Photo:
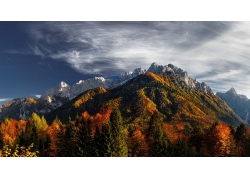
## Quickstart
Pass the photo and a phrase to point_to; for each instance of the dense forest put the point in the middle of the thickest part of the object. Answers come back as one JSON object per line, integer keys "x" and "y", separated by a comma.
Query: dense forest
{"x": 106, "y": 135}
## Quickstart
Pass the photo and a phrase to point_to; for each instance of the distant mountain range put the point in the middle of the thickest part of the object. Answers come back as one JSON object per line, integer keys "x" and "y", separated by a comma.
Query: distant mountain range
{"x": 239, "y": 103}
{"x": 166, "y": 89}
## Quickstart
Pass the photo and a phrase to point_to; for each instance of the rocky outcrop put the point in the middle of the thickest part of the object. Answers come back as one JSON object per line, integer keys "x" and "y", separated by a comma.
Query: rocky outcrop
{"x": 171, "y": 69}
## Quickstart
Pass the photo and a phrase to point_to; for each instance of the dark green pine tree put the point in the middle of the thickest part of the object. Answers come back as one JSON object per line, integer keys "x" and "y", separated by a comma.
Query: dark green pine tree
{"x": 241, "y": 138}
{"x": 159, "y": 147}
{"x": 182, "y": 149}
{"x": 84, "y": 138}
{"x": 98, "y": 143}
{"x": 34, "y": 139}
{"x": 241, "y": 133}
{"x": 62, "y": 144}
{"x": 71, "y": 139}
{"x": 196, "y": 139}
{"x": 22, "y": 139}
{"x": 107, "y": 141}
{"x": 119, "y": 147}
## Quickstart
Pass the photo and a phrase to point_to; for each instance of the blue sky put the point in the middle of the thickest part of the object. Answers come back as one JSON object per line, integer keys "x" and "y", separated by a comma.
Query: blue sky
{"x": 35, "y": 56}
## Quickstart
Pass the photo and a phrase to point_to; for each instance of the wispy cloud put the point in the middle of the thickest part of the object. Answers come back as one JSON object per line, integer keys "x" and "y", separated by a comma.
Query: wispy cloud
{"x": 5, "y": 99}
{"x": 214, "y": 52}
{"x": 37, "y": 51}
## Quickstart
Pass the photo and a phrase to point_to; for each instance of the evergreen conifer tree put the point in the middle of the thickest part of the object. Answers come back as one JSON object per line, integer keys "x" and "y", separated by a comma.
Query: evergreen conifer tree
{"x": 157, "y": 139}
{"x": 106, "y": 141}
{"x": 119, "y": 147}
{"x": 84, "y": 138}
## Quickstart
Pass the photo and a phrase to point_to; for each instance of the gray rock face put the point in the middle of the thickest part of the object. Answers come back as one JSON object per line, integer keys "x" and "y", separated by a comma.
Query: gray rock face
{"x": 193, "y": 84}
{"x": 240, "y": 104}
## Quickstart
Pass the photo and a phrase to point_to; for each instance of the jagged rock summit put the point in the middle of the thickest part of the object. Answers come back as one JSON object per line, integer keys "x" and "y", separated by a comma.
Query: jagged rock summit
{"x": 171, "y": 69}
{"x": 238, "y": 102}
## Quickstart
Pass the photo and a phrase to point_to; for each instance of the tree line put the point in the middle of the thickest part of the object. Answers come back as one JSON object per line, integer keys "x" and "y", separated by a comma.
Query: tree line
{"x": 81, "y": 137}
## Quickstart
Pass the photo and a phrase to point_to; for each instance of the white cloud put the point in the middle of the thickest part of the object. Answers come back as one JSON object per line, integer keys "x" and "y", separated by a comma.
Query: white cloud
{"x": 214, "y": 52}
{"x": 5, "y": 99}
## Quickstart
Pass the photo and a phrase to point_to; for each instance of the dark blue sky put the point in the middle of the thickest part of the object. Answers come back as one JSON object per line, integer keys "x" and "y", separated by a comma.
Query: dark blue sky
{"x": 36, "y": 56}
{"x": 22, "y": 72}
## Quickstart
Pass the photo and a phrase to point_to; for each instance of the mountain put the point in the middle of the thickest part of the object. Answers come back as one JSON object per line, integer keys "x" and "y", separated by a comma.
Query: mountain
{"x": 239, "y": 103}
{"x": 63, "y": 93}
{"x": 167, "y": 94}
{"x": 22, "y": 108}
{"x": 66, "y": 91}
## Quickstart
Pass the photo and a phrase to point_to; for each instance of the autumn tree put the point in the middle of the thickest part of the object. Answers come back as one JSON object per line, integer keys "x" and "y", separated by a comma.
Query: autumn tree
{"x": 217, "y": 141}
{"x": 54, "y": 136}
{"x": 36, "y": 132}
{"x": 138, "y": 145}
{"x": 9, "y": 129}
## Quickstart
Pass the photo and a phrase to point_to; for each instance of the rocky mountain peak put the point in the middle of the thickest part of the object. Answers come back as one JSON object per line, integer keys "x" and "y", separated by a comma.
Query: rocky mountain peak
{"x": 239, "y": 103}
{"x": 63, "y": 84}
{"x": 170, "y": 69}
{"x": 232, "y": 91}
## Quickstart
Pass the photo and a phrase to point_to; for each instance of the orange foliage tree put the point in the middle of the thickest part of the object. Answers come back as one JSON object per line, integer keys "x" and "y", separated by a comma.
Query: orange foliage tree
{"x": 137, "y": 144}
{"x": 10, "y": 129}
{"x": 217, "y": 141}
{"x": 54, "y": 134}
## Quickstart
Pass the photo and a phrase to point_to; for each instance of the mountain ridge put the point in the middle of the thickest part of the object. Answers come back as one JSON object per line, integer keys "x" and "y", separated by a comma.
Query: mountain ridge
{"x": 84, "y": 85}
{"x": 63, "y": 93}
{"x": 145, "y": 94}
{"x": 238, "y": 102}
